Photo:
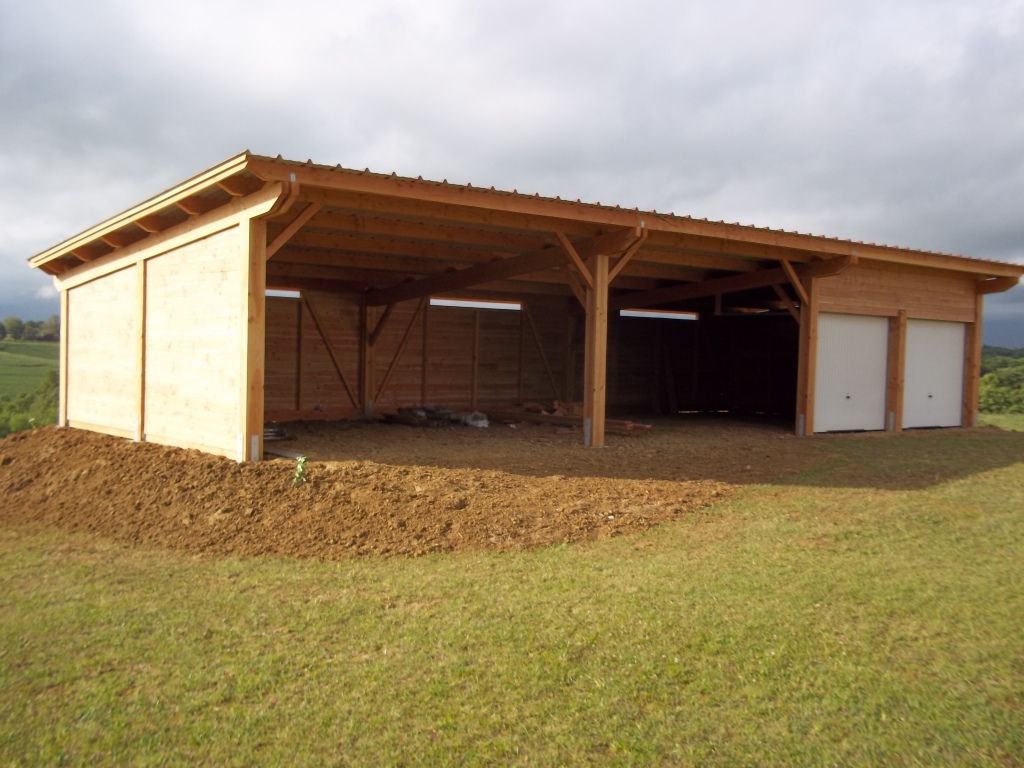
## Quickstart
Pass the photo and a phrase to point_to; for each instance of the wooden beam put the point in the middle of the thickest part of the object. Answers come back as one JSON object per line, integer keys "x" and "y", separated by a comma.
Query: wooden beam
{"x": 401, "y": 348}
{"x": 595, "y": 361}
{"x": 121, "y": 238}
{"x": 62, "y": 394}
{"x": 545, "y": 258}
{"x": 570, "y": 249}
{"x": 787, "y": 302}
{"x": 424, "y": 356}
{"x": 548, "y": 214}
{"x": 299, "y": 312}
{"x": 294, "y": 226}
{"x": 628, "y": 254}
{"x": 237, "y": 186}
{"x": 366, "y": 362}
{"x": 794, "y": 280}
{"x": 972, "y": 366}
{"x": 378, "y": 329}
{"x": 807, "y": 362}
{"x": 335, "y": 361}
{"x": 253, "y": 336}
{"x": 744, "y": 282}
{"x": 895, "y": 373}
{"x": 195, "y": 206}
{"x": 474, "y": 379}
{"x": 154, "y": 223}
{"x": 140, "y": 351}
{"x": 995, "y": 285}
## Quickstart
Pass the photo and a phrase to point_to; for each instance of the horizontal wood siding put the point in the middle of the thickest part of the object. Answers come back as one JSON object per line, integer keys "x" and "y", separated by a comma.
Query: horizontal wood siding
{"x": 194, "y": 318}
{"x": 102, "y": 366}
{"x": 874, "y": 288}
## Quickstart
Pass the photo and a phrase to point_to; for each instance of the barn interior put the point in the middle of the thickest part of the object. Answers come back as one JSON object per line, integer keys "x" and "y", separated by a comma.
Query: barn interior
{"x": 379, "y": 303}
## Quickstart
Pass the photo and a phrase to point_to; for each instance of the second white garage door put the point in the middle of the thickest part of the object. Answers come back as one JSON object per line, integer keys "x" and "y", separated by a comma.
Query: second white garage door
{"x": 933, "y": 384}
{"x": 850, "y": 372}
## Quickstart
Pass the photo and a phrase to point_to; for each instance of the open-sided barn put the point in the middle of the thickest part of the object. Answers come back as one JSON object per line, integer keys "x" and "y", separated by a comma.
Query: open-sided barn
{"x": 169, "y": 334}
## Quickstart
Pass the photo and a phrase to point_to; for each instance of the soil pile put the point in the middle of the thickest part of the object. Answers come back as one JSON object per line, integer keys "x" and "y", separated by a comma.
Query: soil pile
{"x": 420, "y": 495}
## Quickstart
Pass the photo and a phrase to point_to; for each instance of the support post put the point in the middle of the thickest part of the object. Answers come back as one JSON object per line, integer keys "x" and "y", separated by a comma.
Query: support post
{"x": 972, "y": 366}
{"x": 254, "y": 340}
{"x": 475, "y": 374}
{"x": 595, "y": 366}
{"x": 140, "y": 352}
{"x": 895, "y": 374}
{"x": 299, "y": 311}
{"x": 424, "y": 354}
{"x": 807, "y": 363}
{"x": 62, "y": 407}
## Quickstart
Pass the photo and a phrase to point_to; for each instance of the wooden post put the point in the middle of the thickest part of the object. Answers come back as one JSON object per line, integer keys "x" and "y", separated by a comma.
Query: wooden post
{"x": 253, "y": 339}
{"x": 595, "y": 367}
{"x": 424, "y": 356}
{"x": 522, "y": 356}
{"x": 569, "y": 359}
{"x": 299, "y": 311}
{"x": 972, "y": 366}
{"x": 895, "y": 376}
{"x": 140, "y": 352}
{"x": 807, "y": 362}
{"x": 62, "y": 407}
{"x": 475, "y": 374}
{"x": 366, "y": 362}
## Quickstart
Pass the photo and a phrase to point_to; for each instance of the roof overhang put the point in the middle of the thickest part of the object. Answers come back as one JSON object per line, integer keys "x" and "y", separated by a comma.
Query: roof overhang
{"x": 350, "y": 230}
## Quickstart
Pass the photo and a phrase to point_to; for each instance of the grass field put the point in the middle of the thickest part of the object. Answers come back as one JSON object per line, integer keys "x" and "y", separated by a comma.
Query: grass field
{"x": 1013, "y": 422}
{"x": 24, "y": 363}
{"x": 865, "y": 612}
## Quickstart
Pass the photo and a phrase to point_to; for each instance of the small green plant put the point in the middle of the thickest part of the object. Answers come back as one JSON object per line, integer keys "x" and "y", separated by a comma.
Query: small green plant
{"x": 300, "y": 471}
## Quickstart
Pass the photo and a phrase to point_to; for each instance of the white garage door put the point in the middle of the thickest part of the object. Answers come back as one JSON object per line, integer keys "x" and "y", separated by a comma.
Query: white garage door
{"x": 933, "y": 385}
{"x": 850, "y": 372}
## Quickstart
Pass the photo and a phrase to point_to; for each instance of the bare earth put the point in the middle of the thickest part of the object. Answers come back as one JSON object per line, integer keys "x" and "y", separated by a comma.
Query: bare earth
{"x": 387, "y": 489}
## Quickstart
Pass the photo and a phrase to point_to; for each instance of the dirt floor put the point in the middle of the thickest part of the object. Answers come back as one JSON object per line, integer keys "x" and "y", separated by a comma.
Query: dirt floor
{"x": 387, "y": 489}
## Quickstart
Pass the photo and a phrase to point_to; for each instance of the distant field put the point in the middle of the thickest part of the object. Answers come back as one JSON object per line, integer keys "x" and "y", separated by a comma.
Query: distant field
{"x": 24, "y": 363}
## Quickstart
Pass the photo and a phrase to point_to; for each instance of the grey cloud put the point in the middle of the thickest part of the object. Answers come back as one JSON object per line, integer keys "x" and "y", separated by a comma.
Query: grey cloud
{"x": 899, "y": 123}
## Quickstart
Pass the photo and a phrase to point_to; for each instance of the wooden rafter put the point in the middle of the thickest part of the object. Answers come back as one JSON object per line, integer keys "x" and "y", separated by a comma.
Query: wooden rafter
{"x": 432, "y": 232}
{"x": 545, "y": 258}
{"x": 294, "y": 226}
{"x": 760, "y": 279}
{"x": 237, "y": 186}
{"x": 194, "y": 206}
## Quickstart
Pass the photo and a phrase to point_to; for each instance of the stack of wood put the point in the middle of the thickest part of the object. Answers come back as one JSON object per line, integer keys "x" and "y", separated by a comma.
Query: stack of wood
{"x": 564, "y": 414}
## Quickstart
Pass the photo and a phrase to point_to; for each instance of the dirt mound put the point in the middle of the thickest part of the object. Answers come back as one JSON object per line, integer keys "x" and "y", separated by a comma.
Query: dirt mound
{"x": 186, "y": 500}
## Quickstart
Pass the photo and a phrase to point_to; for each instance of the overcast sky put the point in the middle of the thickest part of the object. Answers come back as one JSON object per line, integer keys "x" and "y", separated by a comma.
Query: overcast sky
{"x": 895, "y": 122}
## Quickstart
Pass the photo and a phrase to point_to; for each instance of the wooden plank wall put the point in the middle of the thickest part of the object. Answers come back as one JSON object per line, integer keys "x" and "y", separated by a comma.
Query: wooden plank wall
{"x": 102, "y": 370}
{"x": 741, "y": 364}
{"x": 899, "y": 292}
{"x": 454, "y": 361}
{"x": 875, "y": 288}
{"x": 193, "y": 369}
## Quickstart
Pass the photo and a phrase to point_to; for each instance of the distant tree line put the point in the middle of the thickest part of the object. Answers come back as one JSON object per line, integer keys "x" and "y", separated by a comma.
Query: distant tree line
{"x": 1002, "y": 380}
{"x": 30, "y": 330}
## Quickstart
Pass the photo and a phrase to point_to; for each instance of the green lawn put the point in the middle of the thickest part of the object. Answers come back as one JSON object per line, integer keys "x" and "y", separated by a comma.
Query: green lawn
{"x": 866, "y": 612}
{"x": 24, "y": 363}
{"x": 1009, "y": 421}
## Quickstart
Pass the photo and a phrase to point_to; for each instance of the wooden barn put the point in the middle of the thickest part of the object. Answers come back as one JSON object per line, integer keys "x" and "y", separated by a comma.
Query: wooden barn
{"x": 269, "y": 290}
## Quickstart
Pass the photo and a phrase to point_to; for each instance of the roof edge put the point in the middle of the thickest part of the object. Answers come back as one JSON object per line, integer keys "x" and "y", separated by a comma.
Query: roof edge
{"x": 180, "y": 191}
